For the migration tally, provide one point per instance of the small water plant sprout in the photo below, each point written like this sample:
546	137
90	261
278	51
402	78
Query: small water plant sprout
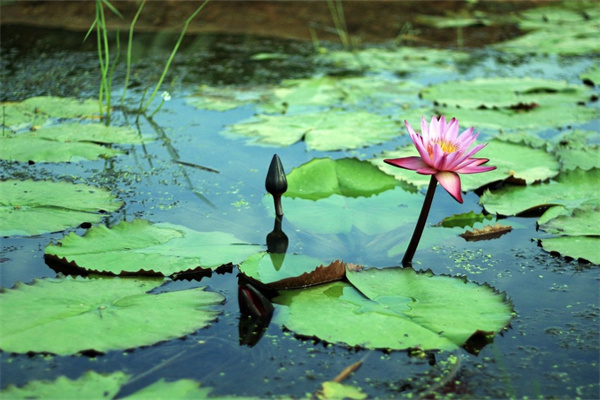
443	154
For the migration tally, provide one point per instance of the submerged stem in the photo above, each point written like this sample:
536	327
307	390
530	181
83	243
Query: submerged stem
414	241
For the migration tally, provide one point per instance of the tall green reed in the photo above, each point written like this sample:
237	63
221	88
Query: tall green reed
107	67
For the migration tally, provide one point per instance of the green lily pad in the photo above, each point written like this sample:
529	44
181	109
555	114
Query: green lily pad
322	177
285	271
577	247
395	308
36	110
464	219
25	149
36	207
326	131
67	143
571	39
591	74
226	98
571	190
142	247
505	92
569	29
91	385
67	316
180	389
537	119
584	221
402	60
334	390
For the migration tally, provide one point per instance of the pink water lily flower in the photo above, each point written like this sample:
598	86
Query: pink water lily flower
443	153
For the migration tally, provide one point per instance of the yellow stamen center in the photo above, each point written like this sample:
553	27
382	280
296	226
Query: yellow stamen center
447	147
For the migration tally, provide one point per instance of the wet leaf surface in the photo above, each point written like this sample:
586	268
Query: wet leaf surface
99	314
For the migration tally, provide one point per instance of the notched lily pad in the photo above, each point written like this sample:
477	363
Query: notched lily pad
288	271
71	315
141	247
325	131
91	385
35	111
322	177
397	309
36	207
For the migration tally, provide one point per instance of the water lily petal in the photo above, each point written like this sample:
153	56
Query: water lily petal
451	182
413	163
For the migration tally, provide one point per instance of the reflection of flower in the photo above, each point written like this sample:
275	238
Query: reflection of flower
443	153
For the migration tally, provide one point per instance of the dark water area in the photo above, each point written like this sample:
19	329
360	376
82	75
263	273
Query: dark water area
550	350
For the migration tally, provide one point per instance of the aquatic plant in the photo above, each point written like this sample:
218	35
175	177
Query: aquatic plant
443	154
107	69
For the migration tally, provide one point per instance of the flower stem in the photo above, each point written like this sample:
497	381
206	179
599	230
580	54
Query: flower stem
414	241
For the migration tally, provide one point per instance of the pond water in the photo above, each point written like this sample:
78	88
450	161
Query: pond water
549	350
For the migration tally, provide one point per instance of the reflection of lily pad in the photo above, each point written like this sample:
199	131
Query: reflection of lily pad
66	142
66	316
37	207
321	177
396	309
90	386
339	214
321	131
142	247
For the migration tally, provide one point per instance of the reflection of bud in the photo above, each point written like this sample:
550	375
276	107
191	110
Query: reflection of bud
277	244
276	183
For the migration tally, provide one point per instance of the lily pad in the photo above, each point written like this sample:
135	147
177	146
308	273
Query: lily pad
569	29
67	143
571	39
326	131
67	316
584	221
401	60
506	92
322	177
91	385
332	390
36	207
295	270
537	119
180	389
577	247
143	247
395	308
226	97
571	190
25	149
36	110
